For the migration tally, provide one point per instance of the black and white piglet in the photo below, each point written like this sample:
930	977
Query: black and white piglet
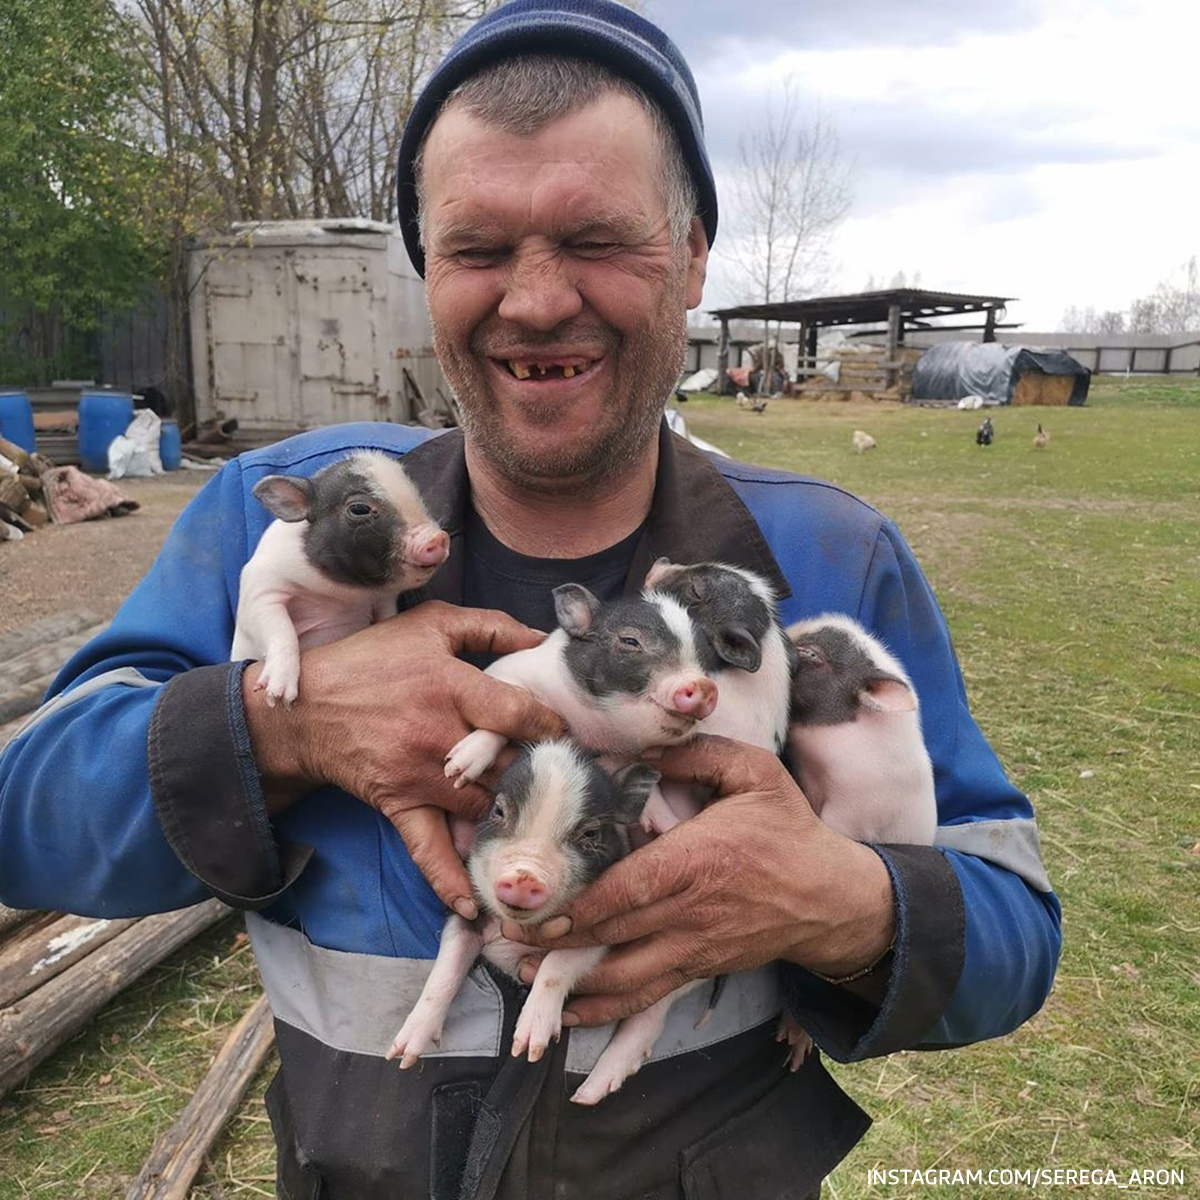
557	821
624	676
856	747
746	653
855	735
345	543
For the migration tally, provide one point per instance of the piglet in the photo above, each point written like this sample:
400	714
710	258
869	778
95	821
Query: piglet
855	735
856	747
743	649
345	543
624	676
557	821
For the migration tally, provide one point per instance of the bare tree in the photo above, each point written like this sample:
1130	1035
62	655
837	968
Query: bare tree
266	109
1089	320
793	190
1173	307
288	108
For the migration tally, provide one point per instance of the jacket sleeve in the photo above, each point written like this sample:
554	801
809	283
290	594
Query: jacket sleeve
133	790
978	928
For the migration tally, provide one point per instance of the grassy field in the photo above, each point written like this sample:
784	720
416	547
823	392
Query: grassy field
1071	580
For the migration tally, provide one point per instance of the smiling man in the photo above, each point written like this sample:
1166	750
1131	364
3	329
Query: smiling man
556	194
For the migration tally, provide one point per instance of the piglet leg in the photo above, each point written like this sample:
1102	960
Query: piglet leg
668	804
540	1021
460	946
472	755
797	1038
629	1049
280	676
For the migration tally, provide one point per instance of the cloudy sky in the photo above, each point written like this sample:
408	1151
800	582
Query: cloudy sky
1047	150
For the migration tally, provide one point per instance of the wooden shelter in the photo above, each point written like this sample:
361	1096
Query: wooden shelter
899	310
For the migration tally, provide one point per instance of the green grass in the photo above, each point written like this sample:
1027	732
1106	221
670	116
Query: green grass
1071	581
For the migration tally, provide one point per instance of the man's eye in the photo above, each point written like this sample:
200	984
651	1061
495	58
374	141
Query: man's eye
478	256
594	249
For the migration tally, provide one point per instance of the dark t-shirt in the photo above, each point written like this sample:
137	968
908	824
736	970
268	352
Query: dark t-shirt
497	577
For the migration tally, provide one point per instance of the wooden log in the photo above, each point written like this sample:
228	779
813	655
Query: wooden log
48	629
179	1154
35	1027
11	918
43	659
47	947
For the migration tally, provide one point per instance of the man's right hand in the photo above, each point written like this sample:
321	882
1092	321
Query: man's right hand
377	713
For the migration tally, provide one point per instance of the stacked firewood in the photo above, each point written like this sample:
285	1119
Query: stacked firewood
22	505
57	970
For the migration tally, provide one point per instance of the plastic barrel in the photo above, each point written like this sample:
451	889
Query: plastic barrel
103	417
170	446
16	420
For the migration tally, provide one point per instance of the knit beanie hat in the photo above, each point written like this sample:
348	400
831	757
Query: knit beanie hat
599	30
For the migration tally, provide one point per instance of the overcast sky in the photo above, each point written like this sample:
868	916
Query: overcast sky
1047	150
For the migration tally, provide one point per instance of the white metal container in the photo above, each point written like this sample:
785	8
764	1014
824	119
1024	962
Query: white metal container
298	324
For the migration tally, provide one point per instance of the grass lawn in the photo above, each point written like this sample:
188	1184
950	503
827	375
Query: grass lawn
1070	577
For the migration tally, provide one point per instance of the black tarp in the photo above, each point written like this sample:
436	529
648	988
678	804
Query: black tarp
954	370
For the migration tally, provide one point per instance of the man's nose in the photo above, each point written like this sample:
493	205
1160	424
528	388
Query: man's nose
539	291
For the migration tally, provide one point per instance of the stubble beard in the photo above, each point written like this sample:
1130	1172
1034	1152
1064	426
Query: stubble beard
648	371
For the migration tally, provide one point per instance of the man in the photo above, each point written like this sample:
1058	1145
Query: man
556	194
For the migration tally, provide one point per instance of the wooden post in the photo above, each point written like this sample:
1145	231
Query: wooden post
723	359
893	343
989	326
811	347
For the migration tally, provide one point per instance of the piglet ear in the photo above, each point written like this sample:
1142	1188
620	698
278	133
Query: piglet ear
287	497
634	784
887	693
737	647
576	608
660	572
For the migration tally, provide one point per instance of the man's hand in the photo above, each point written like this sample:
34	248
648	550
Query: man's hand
376	715
753	878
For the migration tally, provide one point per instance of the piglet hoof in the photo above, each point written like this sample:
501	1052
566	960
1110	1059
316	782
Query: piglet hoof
607	1077
537	1026
472	755
415	1038
799	1043
278	685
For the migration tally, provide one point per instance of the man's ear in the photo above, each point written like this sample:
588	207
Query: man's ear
697	246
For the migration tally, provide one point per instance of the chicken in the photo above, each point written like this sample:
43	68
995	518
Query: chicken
862	441
1040	438
754	404
985	433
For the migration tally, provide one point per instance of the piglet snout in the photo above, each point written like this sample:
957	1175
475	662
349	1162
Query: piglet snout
521	889
427	546
695	698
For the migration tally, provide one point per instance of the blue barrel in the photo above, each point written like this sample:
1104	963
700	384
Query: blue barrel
103	417
170	446
16	420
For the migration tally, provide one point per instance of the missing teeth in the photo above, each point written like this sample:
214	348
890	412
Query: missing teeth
523	370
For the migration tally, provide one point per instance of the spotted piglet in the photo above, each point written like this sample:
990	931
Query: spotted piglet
345	543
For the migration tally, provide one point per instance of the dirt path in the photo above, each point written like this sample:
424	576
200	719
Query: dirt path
94	565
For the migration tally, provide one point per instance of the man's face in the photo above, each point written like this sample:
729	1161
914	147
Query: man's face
559	304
